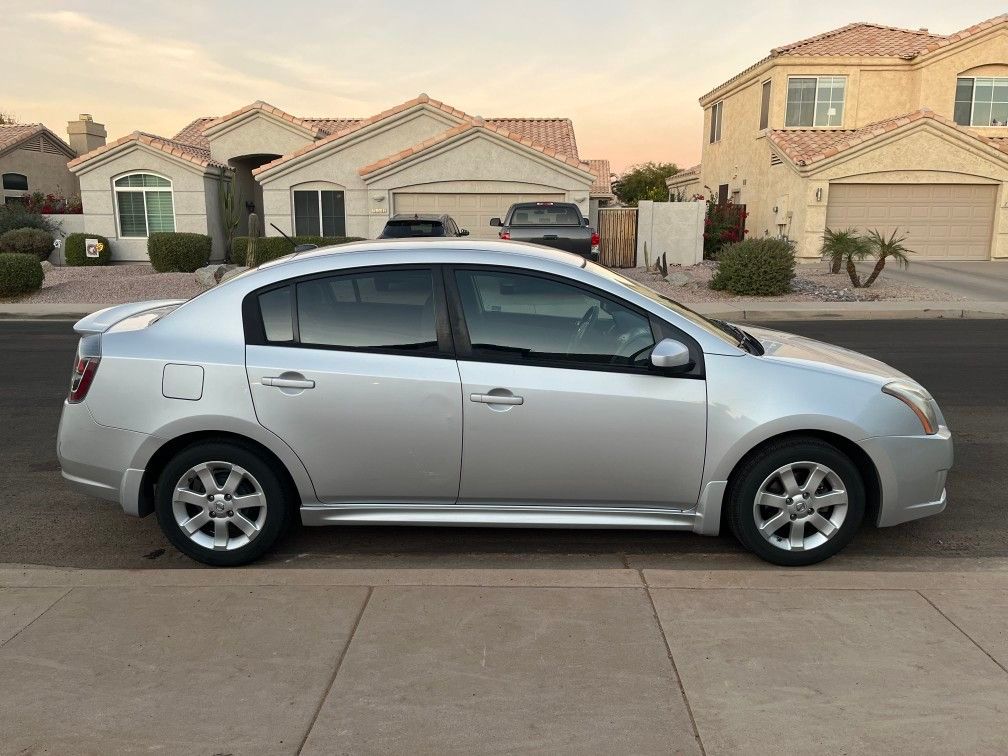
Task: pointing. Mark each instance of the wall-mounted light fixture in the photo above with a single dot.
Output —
(818, 194)
(378, 197)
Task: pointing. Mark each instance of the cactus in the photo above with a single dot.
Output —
(230, 206)
(253, 241)
(663, 266)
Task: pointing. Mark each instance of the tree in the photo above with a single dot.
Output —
(887, 248)
(644, 182)
(7, 118)
(838, 246)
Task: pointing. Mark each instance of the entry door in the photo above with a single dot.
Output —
(350, 372)
(560, 404)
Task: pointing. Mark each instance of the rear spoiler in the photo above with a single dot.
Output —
(101, 321)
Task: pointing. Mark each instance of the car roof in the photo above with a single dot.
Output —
(416, 216)
(463, 247)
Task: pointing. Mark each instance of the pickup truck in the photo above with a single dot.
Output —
(552, 224)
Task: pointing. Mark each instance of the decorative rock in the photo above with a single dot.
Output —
(211, 275)
(678, 279)
(47, 266)
(233, 270)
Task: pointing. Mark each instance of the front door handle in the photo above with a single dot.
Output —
(295, 383)
(496, 399)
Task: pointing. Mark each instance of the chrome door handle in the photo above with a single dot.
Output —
(298, 383)
(495, 399)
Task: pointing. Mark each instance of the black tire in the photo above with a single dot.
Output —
(277, 504)
(759, 466)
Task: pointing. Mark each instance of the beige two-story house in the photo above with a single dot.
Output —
(870, 127)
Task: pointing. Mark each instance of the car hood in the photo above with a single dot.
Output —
(788, 347)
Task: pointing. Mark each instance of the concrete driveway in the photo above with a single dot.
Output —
(978, 281)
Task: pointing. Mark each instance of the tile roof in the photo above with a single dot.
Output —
(807, 146)
(557, 133)
(195, 155)
(863, 39)
(468, 125)
(602, 183)
(684, 176)
(264, 107)
(13, 134)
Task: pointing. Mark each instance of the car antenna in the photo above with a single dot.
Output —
(293, 243)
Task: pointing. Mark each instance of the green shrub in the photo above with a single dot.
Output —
(178, 252)
(19, 274)
(73, 248)
(763, 267)
(17, 215)
(272, 247)
(29, 241)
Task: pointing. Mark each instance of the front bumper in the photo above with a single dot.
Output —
(95, 459)
(912, 472)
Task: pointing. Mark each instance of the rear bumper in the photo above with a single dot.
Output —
(912, 472)
(95, 459)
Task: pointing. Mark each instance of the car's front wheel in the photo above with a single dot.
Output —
(796, 502)
(221, 503)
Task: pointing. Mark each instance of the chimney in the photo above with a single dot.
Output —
(85, 135)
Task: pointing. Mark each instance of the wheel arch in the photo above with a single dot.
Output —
(864, 463)
(160, 458)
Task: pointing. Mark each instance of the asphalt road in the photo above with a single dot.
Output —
(963, 362)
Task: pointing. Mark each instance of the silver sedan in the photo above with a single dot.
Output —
(485, 383)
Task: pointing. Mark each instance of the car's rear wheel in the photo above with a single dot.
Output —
(796, 502)
(221, 503)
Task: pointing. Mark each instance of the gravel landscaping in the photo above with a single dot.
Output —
(110, 284)
(812, 283)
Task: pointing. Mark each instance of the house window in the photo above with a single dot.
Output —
(722, 194)
(715, 122)
(15, 182)
(764, 113)
(815, 101)
(981, 101)
(144, 204)
(319, 213)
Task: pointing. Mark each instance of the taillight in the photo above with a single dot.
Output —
(504, 235)
(85, 367)
(595, 239)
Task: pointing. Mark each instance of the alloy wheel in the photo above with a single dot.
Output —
(219, 506)
(800, 506)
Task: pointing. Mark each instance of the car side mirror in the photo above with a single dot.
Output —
(463, 232)
(669, 353)
(585, 221)
(496, 222)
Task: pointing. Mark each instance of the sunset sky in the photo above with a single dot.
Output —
(627, 73)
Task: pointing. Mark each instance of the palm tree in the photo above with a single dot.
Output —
(839, 245)
(884, 248)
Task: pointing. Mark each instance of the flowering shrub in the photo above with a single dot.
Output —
(724, 224)
(51, 204)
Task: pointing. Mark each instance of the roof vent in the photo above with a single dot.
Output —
(923, 29)
(85, 117)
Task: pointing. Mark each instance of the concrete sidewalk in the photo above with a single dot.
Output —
(758, 311)
(479, 661)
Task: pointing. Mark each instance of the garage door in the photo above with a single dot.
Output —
(471, 211)
(944, 221)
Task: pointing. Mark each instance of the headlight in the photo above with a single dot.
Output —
(918, 400)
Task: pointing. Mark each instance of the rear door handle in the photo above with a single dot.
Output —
(495, 399)
(550, 236)
(298, 383)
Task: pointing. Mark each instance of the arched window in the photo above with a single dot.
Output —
(17, 182)
(144, 204)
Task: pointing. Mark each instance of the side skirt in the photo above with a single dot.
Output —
(500, 516)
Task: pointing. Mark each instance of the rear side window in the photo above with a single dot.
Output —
(276, 309)
(378, 310)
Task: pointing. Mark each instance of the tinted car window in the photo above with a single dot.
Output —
(545, 215)
(276, 308)
(524, 318)
(391, 309)
(413, 228)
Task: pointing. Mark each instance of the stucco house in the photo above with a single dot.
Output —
(867, 126)
(34, 159)
(330, 176)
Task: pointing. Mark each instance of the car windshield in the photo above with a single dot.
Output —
(545, 214)
(412, 228)
(714, 327)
